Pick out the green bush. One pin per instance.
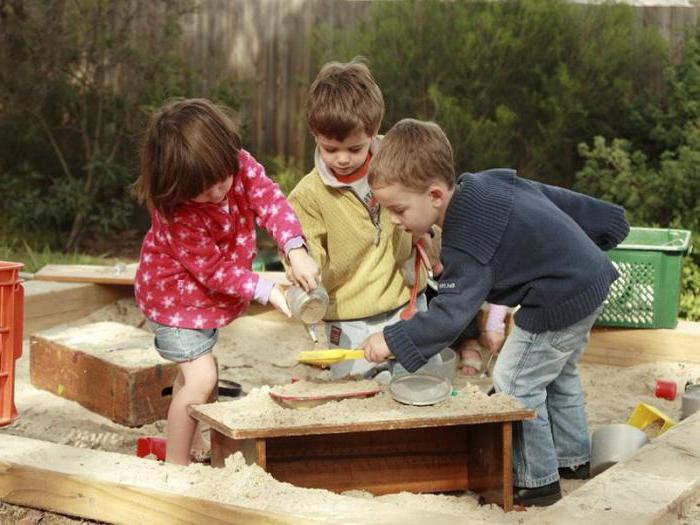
(514, 84)
(75, 78)
(658, 180)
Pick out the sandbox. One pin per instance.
(258, 350)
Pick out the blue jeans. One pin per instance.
(540, 371)
(182, 344)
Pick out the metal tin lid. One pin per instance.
(420, 389)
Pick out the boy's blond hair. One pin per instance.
(344, 97)
(414, 154)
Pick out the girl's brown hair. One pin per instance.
(190, 145)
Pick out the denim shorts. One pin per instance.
(182, 344)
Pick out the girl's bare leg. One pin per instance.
(198, 441)
(199, 377)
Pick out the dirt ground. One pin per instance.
(253, 360)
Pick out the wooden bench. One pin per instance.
(441, 454)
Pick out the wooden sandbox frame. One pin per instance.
(35, 486)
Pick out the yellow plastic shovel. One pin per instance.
(329, 357)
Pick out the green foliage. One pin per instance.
(658, 180)
(690, 290)
(516, 84)
(284, 173)
(74, 77)
(12, 249)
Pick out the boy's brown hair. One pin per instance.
(344, 97)
(414, 154)
(190, 145)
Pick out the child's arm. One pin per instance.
(272, 211)
(275, 214)
(603, 222)
(494, 336)
(313, 225)
(463, 286)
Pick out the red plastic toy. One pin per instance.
(666, 389)
(11, 316)
(151, 445)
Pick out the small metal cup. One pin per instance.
(310, 307)
(611, 444)
(690, 402)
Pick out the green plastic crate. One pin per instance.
(647, 293)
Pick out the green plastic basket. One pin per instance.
(647, 293)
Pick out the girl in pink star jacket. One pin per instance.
(205, 194)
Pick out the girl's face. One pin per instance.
(215, 193)
(344, 157)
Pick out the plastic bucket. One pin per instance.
(445, 367)
(614, 443)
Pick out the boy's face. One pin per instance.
(346, 156)
(411, 210)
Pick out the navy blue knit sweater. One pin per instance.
(512, 241)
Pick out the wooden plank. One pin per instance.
(487, 463)
(507, 483)
(261, 453)
(653, 486)
(48, 304)
(631, 346)
(85, 483)
(223, 447)
(380, 462)
(122, 274)
(112, 503)
(200, 412)
(61, 490)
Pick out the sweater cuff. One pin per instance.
(618, 229)
(263, 289)
(495, 321)
(403, 348)
(294, 243)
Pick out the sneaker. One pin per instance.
(537, 496)
(577, 472)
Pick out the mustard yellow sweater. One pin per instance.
(362, 278)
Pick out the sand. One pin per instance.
(259, 350)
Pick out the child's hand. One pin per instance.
(279, 300)
(376, 349)
(493, 341)
(304, 270)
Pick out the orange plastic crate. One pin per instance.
(11, 315)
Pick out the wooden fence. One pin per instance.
(264, 47)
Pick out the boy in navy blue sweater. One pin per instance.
(510, 241)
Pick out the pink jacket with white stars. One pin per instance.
(195, 271)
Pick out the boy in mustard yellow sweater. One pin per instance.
(361, 253)
(366, 261)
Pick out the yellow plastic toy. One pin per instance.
(650, 420)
